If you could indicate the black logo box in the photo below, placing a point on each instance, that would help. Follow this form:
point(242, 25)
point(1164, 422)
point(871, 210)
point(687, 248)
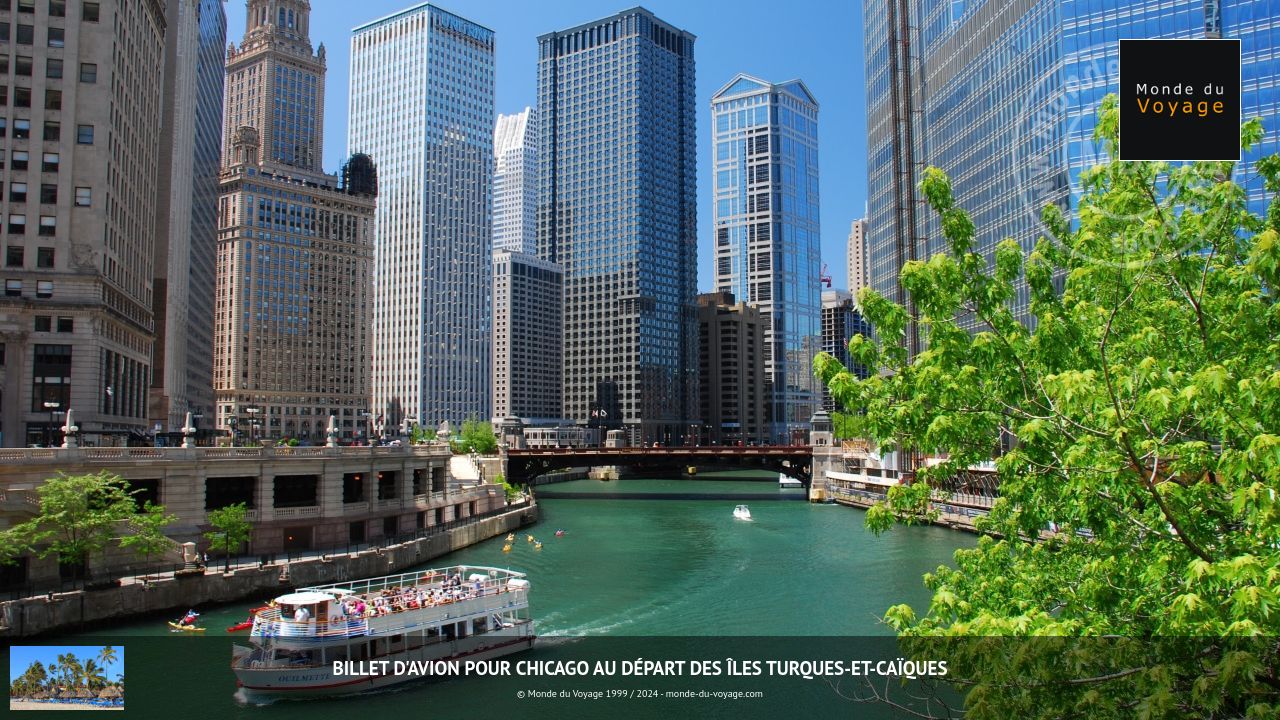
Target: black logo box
point(1194, 65)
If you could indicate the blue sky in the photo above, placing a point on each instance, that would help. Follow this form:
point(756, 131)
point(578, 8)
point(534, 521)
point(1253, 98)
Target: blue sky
point(818, 41)
point(21, 657)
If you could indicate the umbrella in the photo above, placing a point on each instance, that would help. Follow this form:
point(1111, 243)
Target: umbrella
point(111, 692)
point(83, 693)
point(67, 694)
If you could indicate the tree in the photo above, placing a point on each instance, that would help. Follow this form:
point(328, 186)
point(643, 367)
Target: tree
point(1141, 418)
point(476, 436)
point(419, 435)
point(107, 655)
point(148, 536)
point(79, 515)
point(231, 529)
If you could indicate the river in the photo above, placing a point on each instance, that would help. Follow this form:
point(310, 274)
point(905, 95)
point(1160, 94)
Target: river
point(626, 569)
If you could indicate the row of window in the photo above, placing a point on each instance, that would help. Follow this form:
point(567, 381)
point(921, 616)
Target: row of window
point(89, 11)
point(44, 323)
point(22, 97)
point(13, 288)
point(52, 130)
point(48, 195)
point(15, 256)
point(49, 162)
point(55, 37)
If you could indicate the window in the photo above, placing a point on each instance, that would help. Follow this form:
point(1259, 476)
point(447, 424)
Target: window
point(17, 192)
point(84, 134)
point(57, 37)
point(22, 65)
point(22, 97)
point(44, 289)
point(89, 12)
point(26, 6)
point(50, 377)
point(52, 99)
point(52, 130)
point(4, 126)
point(17, 224)
point(50, 163)
point(20, 158)
point(66, 324)
point(53, 68)
point(88, 73)
point(4, 33)
point(57, 8)
point(4, 95)
point(44, 257)
point(26, 34)
point(44, 323)
point(84, 197)
point(48, 194)
point(48, 225)
point(21, 129)
point(13, 256)
point(13, 288)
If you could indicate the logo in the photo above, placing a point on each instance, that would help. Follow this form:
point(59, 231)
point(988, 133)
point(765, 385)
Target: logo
point(1180, 100)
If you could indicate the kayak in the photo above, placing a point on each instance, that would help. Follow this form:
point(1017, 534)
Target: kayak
point(245, 625)
point(185, 628)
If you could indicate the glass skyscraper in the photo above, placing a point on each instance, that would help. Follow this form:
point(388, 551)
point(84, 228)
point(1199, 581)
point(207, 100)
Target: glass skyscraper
point(1003, 97)
point(515, 182)
point(768, 239)
point(617, 210)
point(422, 107)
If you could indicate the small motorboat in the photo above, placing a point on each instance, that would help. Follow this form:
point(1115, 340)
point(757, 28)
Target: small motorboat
point(742, 512)
point(247, 624)
point(184, 628)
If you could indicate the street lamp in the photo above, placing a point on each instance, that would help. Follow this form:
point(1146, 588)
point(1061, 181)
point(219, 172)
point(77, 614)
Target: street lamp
point(52, 407)
point(253, 411)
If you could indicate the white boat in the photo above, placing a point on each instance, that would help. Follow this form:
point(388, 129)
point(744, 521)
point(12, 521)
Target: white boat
point(785, 482)
point(457, 613)
point(742, 512)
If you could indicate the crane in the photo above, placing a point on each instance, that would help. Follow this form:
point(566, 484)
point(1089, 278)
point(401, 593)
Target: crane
point(824, 277)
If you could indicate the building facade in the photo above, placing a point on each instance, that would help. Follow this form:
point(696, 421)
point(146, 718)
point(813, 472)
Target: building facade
point(527, 367)
point(515, 183)
point(732, 392)
point(81, 113)
point(768, 237)
point(1003, 97)
point(182, 373)
point(617, 210)
point(422, 107)
point(857, 250)
point(840, 322)
point(294, 252)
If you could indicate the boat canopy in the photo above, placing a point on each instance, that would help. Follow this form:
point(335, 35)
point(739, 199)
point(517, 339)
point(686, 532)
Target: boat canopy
point(304, 598)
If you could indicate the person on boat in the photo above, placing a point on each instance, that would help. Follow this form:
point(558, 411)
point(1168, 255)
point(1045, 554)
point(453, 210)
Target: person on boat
point(190, 618)
point(301, 614)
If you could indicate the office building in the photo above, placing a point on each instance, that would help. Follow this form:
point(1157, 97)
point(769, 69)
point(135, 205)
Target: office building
point(422, 107)
point(515, 183)
point(840, 322)
point(857, 250)
point(732, 393)
point(294, 251)
point(82, 112)
point(527, 367)
point(1003, 97)
point(186, 223)
point(617, 210)
point(768, 238)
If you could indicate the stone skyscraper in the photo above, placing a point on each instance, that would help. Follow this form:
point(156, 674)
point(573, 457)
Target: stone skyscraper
point(295, 246)
point(617, 210)
point(515, 182)
point(83, 117)
point(857, 250)
point(527, 297)
point(768, 239)
point(182, 376)
point(422, 107)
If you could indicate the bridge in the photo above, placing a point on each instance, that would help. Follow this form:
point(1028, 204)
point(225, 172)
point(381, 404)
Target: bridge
point(793, 461)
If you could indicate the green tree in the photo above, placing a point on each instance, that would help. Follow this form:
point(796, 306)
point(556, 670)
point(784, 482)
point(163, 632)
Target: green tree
point(148, 536)
point(79, 515)
point(476, 436)
point(231, 529)
point(1142, 409)
point(419, 435)
point(107, 655)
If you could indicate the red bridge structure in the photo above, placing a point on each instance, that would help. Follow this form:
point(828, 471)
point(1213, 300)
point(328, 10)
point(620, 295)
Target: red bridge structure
point(794, 461)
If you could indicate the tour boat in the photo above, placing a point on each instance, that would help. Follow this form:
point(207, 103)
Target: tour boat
point(742, 512)
point(410, 620)
point(785, 482)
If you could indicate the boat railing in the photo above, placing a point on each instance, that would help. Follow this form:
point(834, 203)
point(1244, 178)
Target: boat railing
point(412, 579)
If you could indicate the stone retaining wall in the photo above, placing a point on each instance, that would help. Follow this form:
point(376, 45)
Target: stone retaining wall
point(82, 609)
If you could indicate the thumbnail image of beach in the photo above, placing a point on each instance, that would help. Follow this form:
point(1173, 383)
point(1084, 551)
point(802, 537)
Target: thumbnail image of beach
point(66, 677)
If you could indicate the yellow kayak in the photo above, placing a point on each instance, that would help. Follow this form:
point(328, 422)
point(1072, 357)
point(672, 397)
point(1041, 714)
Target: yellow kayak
point(185, 628)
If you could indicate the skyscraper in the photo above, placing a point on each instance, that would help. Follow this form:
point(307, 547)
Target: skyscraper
point(295, 246)
point(617, 209)
point(84, 111)
point(840, 322)
point(422, 107)
point(1003, 97)
point(515, 182)
point(527, 297)
point(732, 392)
point(768, 239)
point(857, 250)
point(182, 375)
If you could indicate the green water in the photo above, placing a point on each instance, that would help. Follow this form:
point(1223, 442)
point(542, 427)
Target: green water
point(625, 569)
